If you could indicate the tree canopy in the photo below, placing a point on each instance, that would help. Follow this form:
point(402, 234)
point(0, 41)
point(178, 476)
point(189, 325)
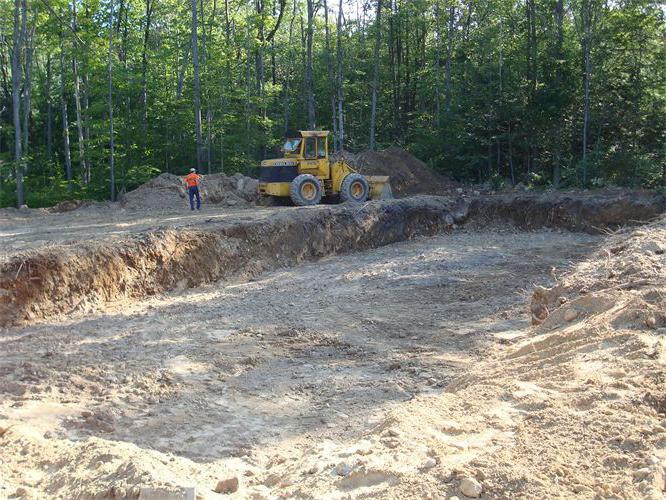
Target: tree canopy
point(102, 93)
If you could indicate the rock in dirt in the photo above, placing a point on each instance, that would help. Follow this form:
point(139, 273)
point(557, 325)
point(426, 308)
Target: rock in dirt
point(429, 464)
point(470, 487)
point(13, 388)
point(227, 485)
point(570, 314)
point(343, 469)
point(21, 493)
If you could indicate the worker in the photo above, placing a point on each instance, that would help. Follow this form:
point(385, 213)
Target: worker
point(192, 182)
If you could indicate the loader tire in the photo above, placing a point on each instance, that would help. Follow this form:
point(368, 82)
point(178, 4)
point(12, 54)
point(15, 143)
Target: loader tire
point(305, 190)
point(354, 188)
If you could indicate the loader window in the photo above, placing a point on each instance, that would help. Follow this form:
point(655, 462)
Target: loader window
point(321, 147)
point(310, 147)
point(291, 146)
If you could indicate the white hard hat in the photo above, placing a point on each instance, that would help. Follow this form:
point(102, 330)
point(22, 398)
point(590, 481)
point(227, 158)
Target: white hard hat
point(193, 170)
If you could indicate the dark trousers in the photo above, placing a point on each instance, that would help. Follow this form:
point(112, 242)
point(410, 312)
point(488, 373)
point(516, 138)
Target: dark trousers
point(194, 191)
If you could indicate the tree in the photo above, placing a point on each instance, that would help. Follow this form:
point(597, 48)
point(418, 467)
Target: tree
point(197, 85)
point(375, 77)
point(19, 13)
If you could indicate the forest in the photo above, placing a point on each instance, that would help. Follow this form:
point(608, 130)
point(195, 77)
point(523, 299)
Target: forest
point(100, 95)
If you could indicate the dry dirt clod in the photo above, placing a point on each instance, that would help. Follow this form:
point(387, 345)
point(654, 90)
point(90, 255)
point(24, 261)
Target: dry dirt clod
point(229, 485)
point(470, 487)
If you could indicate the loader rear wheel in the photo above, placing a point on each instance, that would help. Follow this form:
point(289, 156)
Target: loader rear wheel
point(354, 188)
point(305, 190)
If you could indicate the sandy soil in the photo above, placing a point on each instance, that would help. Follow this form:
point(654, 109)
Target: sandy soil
point(34, 230)
point(327, 379)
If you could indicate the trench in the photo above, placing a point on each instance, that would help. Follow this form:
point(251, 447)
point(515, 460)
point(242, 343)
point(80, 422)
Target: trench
point(82, 277)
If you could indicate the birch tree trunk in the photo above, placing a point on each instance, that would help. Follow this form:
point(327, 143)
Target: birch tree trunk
point(375, 78)
point(197, 85)
point(19, 13)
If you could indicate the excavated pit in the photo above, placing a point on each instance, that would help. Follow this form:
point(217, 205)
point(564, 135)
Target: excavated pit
point(402, 371)
point(81, 276)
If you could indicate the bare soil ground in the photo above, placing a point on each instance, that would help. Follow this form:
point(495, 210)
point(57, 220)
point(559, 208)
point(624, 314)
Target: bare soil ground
point(482, 361)
point(296, 383)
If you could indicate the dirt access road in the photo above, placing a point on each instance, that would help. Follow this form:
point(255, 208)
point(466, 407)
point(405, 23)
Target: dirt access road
point(293, 383)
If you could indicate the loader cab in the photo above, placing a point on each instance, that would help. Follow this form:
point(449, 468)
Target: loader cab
point(314, 153)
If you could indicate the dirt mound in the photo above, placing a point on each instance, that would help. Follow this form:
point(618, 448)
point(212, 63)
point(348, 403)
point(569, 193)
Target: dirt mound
point(591, 212)
point(579, 403)
point(409, 175)
point(167, 191)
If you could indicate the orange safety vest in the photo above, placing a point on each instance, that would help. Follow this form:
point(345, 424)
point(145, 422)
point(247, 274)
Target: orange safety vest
point(192, 179)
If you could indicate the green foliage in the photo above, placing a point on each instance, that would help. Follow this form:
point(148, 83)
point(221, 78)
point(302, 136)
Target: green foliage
point(495, 93)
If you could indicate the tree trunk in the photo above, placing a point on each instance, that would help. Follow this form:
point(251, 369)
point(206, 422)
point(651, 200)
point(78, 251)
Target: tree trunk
point(331, 77)
point(449, 50)
point(77, 102)
point(27, 85)
point(65, 119)
point(586, 18)
point(309, 77)
point(375, 77)
point(197, 85)
point(288, 70)
point(181, 76)
point(144, 70)
point(438, 43)
point(340, 77)
point(19, 13)
point(112, 166)
point(49, 111)
point(559, 41)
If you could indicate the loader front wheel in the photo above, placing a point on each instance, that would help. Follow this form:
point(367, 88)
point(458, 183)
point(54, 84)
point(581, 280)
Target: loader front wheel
point(354, 188)
point(305, 190)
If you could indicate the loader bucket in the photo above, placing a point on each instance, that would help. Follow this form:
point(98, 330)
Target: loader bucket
point(380, 188)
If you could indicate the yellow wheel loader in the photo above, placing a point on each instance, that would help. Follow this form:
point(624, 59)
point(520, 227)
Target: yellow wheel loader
point(305, 174)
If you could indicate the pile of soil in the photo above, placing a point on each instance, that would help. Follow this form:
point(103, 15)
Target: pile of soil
point(409, 175)
point(168, 191)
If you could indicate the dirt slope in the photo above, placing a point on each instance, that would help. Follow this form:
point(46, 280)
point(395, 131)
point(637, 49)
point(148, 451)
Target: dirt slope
point(589, 211)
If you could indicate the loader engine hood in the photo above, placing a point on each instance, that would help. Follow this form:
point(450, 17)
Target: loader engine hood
point(278, 170)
